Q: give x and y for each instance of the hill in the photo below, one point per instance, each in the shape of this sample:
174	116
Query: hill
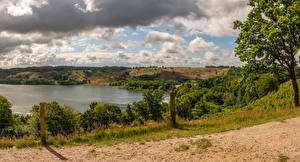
67	75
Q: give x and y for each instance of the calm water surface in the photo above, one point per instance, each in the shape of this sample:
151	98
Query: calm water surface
23	97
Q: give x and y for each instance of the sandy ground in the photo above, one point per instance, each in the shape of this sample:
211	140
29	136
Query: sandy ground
259	143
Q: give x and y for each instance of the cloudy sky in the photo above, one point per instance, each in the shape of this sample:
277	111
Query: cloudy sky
119	32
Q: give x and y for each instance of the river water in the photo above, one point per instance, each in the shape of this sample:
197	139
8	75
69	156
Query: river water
23	97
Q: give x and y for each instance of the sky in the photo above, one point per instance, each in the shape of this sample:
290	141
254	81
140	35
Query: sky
178	33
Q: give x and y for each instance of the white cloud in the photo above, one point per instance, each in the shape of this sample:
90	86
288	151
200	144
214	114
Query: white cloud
155	37
212	57
199	45
131	44
23	7
219	18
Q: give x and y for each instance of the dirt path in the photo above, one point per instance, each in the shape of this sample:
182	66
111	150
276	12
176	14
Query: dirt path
259	143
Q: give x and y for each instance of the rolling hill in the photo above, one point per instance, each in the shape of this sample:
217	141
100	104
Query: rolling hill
67	75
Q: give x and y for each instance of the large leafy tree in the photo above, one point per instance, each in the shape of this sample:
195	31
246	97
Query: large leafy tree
6	118
269	38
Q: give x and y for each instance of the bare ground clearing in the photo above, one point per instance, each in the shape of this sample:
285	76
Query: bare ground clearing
259	143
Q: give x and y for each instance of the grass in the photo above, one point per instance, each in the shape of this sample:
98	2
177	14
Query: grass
182	148
162	131
202	143
92	151
283	158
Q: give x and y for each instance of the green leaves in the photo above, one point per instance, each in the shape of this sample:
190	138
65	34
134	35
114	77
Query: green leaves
269	38
6	118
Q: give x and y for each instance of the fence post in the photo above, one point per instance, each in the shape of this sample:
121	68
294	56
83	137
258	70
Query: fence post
42	123
172	109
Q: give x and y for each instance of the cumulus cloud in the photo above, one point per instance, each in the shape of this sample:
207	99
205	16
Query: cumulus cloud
47	32
173	48
155	37
130	44
122	45
199	45
219	18
220	57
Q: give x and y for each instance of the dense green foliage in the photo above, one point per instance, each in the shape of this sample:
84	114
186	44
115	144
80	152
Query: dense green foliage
150	107
219	94
6	117
106	114
277	100
270	38
59	119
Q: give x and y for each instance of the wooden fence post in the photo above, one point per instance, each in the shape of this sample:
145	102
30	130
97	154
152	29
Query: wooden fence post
42	123
172	109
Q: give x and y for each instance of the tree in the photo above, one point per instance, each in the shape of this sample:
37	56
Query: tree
59	119
106	114
269	38
127	115
153	100
6	118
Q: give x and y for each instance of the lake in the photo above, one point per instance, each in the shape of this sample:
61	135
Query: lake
23	97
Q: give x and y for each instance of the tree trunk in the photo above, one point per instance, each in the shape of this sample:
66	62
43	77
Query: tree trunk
295	88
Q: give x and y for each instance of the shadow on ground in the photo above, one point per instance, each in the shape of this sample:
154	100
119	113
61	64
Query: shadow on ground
55	153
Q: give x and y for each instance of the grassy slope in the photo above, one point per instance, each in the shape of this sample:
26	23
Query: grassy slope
281	99
263	110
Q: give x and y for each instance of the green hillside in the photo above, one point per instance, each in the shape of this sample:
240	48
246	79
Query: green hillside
281	99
